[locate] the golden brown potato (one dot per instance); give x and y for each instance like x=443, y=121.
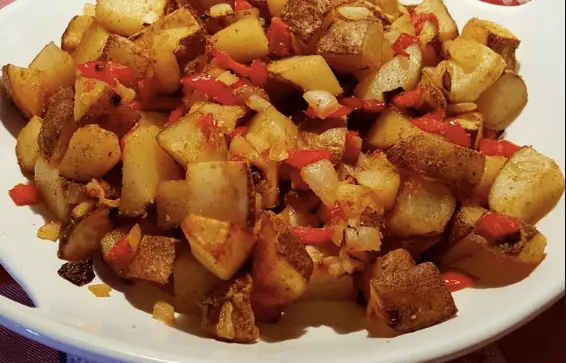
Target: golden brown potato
x=390, y=7
x=74, y=33
x=435, y=158
x=227, y=312
x=412, y=299
x=501, y=103
x=528, y=186
x=226, y=117
x=244, y=40
x=154, y=260
x=352, y=46
x=281, y=268
x=307, y=73
x=448, y=30
x=388, y=129
x=58, y=67
x=92, y=44
x=188, y=142
x=221, y=247
x=26, y=88
x=454, y=109
x=394, y=261
x=127, y=17
x=219, y=22
x=92, y=153
x=326, y=287
x=125, y=52
x=493, y=164
x=423, y=208
x=378, y=174
x=82, y=238
x=51, y=187
x=464, y=223
x=275, y=6
x=145, y=165
x=184, y=17
x=493, y=35
x=433, y=95
x=307, y=20
x=172, y=203
x=27, y=148
x=270, y=127
x=401, y=25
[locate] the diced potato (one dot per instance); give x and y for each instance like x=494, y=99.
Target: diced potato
x=82, y=238
x=459, y=167
x=244, y=40
x=227, y=312
x=188, y=142
x=27, y=148
x=394, y=261
x=381, y=177
x=127, y=17
x=184, y=17
x=448, y=30
x=453, y=109
x=58, y=67
x=326, y=287
x=164, y=312
x=501, y=103
x=51, y=188
x=92, y=152
x=496, y=37
x=399, y=72
x=122, y=51
x=281, y=268
x=58, y=126
x=145, y=165
x=92, y=44
x=464, y=223
x=401, y=25
x=221, y=247
x=275, y=6
x=423, y=208
x=172, y=203
x=191, y=282
x=154, y=260
x=528, y=186
x=49, y=231
x=352, y=46
x=270, y=127
x=217, y=23
x=391, y=7
x=26, y=88
x=493, y=165
x=307, y=20
x=154, y=118
x=388, y=129
x=74, y=33
x=412, y=299
x=226, y=117
x=309, y=73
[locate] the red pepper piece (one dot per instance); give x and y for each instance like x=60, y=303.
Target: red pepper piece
x=356, y=103
x=240, y=130
x=456, y=280
x=432, y=122
x=405, y=40
x=310, y=112
x=490, y=134
x=495, y=227
x=258, y=73
x=352, y=148
x=419, y=21
x=498, y=148
x=240, y=5
x=341, y=111
x=207, y=125
x=456, y=134
x=212, y=87
x=121, y=255
x=410, y=98
x=279, y=38
x=301, y=158
x=111, y=73
x=174, y=117
x=145, y=89
x=24, y=194
x=313, y=236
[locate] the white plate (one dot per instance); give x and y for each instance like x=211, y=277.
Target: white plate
x=71, y=319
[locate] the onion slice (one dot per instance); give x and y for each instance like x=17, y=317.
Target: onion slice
x=322, y=102
x=323, y=180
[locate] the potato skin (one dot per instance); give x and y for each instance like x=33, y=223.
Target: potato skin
x=307, y=20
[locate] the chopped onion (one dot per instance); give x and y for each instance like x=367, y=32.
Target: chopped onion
x=323, y=102
x=257, y=103
x=323, y=180
x=164, y=312
x=363, y=239
x=219, y=10
x=262, y=21
x=228, y=78
x=354, y=12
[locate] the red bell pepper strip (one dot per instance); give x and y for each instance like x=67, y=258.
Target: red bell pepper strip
x=410, y=98
x=340, y=111
x=456, y=280
x=498, y=148
x=24, y=194
x=490, y=134
x=356, y=103
x=352, y=148
x=240, y=5
x=207, y=125
x=419, y=20
x=495, y=227
x=313, y=236
x=405, y=40
x=279, y=38
x=145, y=89
x=456, y=134
x=240, y=130
x=433, y=122
x=257, y=72
x=212, y=87
x=111, y=73
x=301, y=158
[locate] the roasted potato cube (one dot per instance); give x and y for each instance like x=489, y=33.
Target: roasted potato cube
x=191, y=282
x=493, y=165
x=184, y=17
x=448, y=30
x=307, y=73
x=58, y=67
x=401, y=25
x=221, y=247
x=172, y=203
x=219, y=22
x=223, y=191
x=92, y=153
x=464, y=223
x=433, y=95
x=378, y=174
x=423, y=208
x=352, y=46
x=244, y=40
x=501, y=103
x=92, y=44
x=436, y=158
x=270, y=127
x=275, y=6
x=125, y=52
x=326, y=287
x=398, y=73
x=188, y=142
x=227, y=312
x=154, y=260
x=281, y=268
x=412, y=299
x=145, y=165
x=496, y=37
x=127, y=17
x=51, y=188
x=394, y=261
x=26, y=87
x=82, y=238
x=74, y=33
x=58, y=126
x=528, y=186
x=388, y=129
x=307, y=20
x=27, y=148
x=390, y=7
x=226, y=116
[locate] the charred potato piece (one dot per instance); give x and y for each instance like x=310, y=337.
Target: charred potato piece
x=74, y=33
x=388, y=129
x=154, y=259
x=528, y=186
x=307, y=20
x=26, y=88
x=227, y=312
x=27, y=148
x=127, y=17
x=82, y=238
x=435, y=158
x=244, y=40
x=226, y=117
x=127, y=53
x=57, y=66
x=51, y=187
x=92, y=44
